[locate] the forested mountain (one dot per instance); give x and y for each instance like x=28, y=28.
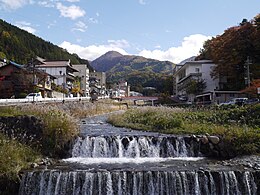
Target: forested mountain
x=20, y=46
x=138, y=71
x=236, y=50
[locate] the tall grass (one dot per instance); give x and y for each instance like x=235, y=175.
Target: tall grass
x=14, y=157
x=240, y=126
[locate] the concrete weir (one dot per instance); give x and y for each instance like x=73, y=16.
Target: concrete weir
x=111, y=160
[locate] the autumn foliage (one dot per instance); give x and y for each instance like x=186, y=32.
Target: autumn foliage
x=252, y=89
x=231, y=50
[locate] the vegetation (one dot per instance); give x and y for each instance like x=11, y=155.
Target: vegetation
x=14, y=157
x=20, y=46
x=231, y=50
x=60, y=126
x=239, y=126
x=252, y=89
x=138, y=71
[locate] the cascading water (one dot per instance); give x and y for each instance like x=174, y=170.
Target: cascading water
x=113, y=161
x=132, y=147
x=143, y=183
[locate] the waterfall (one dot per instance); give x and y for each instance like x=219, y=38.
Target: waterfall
x=141, y=183
x=133, y=147
x=116, y=161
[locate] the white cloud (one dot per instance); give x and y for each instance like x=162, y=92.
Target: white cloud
x=190, y=46
x=46, y=4
x=13, y=4
x=142, y=2
x=94, y=51
x=80, y=26
x=72, y=11
x=72, y=1
x=53, y=23
x=118, y=43
x=26, y=26
x=93, y=20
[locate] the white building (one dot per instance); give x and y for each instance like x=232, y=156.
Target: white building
x=97, y=82
x=83, y=74
x=200, y=70
x=62, y=70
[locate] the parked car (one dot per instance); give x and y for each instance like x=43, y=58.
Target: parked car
x=235, y=101
x=34, y=97
x=252, y=101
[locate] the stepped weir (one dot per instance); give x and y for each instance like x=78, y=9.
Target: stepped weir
x=117, y=161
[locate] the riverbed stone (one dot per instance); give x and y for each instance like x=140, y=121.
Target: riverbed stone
x=214, y=139
x=204, y=139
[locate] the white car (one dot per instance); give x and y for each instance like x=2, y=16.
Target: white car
x=34, y=97
x=235, y=101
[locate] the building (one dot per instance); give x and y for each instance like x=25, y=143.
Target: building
x=200, y=72
x=62, y=70
x=122, y=89
x=97, y=82
x=83, y=75
x=18, y=80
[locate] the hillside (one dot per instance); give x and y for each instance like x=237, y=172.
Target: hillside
x=138, y=71
x=20, y=46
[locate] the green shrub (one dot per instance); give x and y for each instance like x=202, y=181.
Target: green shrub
x=9, y=111
x=14, y=157
x=238, y=126
x=58, y=127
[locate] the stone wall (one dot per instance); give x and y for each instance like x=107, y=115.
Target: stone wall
x=26, y=129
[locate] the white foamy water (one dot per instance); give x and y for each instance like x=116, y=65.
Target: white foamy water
x=88, y=161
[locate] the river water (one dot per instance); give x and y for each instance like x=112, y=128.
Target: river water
x=110, y=160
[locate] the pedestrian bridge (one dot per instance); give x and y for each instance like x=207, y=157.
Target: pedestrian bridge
x=145, y=99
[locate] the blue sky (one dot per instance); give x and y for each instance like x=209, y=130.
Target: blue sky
x=161, y=29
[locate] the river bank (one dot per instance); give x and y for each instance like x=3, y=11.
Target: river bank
x=30, y=133
x=113, y=160
x=227, y=132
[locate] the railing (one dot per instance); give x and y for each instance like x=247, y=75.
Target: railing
x=42, y=100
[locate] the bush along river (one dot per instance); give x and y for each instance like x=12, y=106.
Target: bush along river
x=110, y=160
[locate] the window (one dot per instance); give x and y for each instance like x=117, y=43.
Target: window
x=197, y=70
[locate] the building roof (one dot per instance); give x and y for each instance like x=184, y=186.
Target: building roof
x=60, y=63
x=187, y=63
x=55, y=63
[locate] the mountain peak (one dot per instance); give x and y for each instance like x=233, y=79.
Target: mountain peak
x=112, y=54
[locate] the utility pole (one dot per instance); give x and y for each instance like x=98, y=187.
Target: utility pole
x=247, y=66
x=33, y=66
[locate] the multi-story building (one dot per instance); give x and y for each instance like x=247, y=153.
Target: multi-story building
x=200, y=71
x=62, y=70
x=122, y=89
x=83, y=75
x=18, y=80
x=97, y=82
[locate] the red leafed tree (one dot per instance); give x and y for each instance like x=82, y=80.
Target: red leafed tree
x=231, y=50
x=252, y=89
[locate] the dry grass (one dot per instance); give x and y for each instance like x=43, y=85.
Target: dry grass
x=240, y=127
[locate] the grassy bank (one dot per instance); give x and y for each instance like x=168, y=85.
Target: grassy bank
x=59, y=125
x=238, y=126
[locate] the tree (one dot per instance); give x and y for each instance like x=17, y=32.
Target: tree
x=196, y=86
x=230, y=51
x=252, y=89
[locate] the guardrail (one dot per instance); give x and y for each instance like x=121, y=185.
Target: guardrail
x=42, y=100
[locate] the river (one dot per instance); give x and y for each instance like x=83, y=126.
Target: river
x=111, y=160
